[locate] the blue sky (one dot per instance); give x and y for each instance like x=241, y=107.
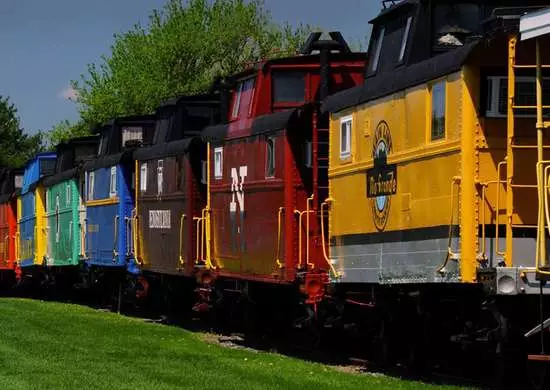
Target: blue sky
x=45, y=44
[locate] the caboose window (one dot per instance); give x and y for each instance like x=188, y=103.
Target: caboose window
x=525, y=95
x=289, y=87
x=438, y=111
x=377, y=49
x=405, y=39
x=218, y=163
x=112, y=183
x=308, y=154
x=18, y=181
x=143, y=177
x=204, y=172
x=57, y=218
x=91, y=182
x=242, y=99
x=345, y=137
x=270, y=157
x=160, y=177
x=133, y=133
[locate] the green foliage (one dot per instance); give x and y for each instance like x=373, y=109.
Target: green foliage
x=16, y=146
x=181, y=50
x=65, y=130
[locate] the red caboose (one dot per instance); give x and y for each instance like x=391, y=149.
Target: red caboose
x=269, y=169
x=10, y=181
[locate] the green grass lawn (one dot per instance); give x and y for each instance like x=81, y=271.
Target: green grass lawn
x=60, y=346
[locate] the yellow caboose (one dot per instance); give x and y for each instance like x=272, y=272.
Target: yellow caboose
x=437, y=178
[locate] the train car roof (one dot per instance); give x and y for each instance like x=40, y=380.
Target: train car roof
x=416, y=41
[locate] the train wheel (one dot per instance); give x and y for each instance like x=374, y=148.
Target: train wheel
x=539, y=374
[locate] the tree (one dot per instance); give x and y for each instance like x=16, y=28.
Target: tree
x=16, y=146
x=65, y=130
x=182, y=49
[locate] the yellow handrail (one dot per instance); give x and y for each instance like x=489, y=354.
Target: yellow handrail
x=17, y=245
x=278, y=259
x=308, y=210
x=6, y=244
x=327, y=202
x=181, y=257
x=497, y=219
x=198, y=239
x=451, y=254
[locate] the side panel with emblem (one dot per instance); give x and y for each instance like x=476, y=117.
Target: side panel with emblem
x=391, y=187
x=171, y=197
x=246, y=199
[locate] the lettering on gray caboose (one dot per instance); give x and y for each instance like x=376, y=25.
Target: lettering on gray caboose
x=159, y=219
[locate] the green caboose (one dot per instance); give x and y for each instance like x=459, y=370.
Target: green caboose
x=65, y=211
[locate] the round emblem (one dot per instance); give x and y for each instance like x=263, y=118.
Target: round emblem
x=382, y=178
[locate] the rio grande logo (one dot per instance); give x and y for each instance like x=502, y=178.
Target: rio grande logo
x=382, y=178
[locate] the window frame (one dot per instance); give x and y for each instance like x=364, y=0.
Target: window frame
x=143, y=177
x=68, y=194
x=431, y=111
x=91, y=185
x=491, y=109
x=57, y=223
x=218, y=168
x=204, y=172
x=113, y=182
x=378, y=49
x=160, y=177
x=405, y=39
x=270, y=174
x=308, y=154
x=346, y=154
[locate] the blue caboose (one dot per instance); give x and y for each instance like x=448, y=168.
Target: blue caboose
x=109, y=197
x=31, y=205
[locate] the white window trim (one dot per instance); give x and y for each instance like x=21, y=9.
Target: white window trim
x=160, y=177
x=112, y=184
x=57, y=223
x=272, y=139
x=405, y=39
x=378, y=49
x=143, y=177
x=218, y=168
x=346, y=153
x=68, y=194
x=492, y=106
x=91, y=184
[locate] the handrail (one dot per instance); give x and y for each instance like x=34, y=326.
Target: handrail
x=544, y=216
x=454, y=255
x=308, y=211
x=128, y=232
x=115, y=252
x=278, y=258
x=17, y=245
x=327, y=203
x=70, y=230
x=6, y=249
x=134, y=235
x=497, y=219
x=299, y=213
x=198, y=240
x=83, y=234
x=181, y=257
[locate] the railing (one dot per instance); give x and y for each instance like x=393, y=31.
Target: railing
x=326, y=253
x=181, y=255
x=115, y=252
x=278, y=261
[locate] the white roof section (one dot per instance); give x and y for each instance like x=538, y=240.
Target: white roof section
x=535, y=24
